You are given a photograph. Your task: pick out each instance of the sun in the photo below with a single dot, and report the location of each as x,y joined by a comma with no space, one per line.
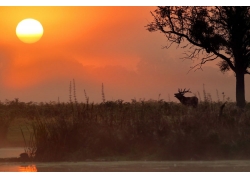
29,30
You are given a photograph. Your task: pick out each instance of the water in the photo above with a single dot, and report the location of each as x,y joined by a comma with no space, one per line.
11,152
130,166
120,166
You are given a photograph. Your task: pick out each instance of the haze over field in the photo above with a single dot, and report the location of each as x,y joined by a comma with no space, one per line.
95,45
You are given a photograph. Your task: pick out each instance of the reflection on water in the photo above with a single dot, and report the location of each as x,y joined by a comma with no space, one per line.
129,166
15,167
119,166
28,168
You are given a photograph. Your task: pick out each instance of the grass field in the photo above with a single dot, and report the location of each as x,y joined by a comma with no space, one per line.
136,130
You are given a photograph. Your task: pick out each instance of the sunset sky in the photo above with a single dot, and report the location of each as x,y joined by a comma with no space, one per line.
95,45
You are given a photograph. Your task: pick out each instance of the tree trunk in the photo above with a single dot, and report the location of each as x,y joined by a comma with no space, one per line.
240,89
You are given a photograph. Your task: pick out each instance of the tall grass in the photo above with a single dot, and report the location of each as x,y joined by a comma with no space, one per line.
8,111
154,130
136,130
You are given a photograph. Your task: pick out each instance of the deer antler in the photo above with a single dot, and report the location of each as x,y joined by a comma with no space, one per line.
184,91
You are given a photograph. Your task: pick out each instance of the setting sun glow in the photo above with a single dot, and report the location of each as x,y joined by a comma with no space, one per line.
42,48
29,30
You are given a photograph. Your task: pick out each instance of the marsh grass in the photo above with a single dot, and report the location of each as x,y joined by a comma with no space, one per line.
139,130
136,130
8,113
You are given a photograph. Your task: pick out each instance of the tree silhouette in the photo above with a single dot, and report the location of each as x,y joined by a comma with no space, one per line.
210,33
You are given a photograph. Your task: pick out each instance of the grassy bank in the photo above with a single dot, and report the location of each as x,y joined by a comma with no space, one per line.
136,130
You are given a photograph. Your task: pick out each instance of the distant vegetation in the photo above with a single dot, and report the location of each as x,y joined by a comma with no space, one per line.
136,130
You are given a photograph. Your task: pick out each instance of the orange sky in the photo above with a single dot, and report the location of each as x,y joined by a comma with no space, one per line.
96,45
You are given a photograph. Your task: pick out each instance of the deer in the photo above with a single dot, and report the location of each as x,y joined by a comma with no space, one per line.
188,101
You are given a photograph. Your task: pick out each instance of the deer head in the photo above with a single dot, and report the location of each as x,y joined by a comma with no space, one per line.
189,101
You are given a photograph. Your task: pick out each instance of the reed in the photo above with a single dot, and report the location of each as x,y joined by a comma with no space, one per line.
136,130
142,129
8,112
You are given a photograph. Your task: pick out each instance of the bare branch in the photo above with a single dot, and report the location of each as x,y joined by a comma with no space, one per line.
203,61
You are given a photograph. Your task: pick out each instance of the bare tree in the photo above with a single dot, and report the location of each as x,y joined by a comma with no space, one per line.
210,33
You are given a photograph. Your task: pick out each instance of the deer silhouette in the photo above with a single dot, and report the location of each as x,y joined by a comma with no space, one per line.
188,101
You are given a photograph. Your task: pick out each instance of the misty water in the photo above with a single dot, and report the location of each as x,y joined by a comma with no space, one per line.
11,152
120,166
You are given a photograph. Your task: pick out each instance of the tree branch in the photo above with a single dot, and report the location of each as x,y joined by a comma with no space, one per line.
200,45
203,61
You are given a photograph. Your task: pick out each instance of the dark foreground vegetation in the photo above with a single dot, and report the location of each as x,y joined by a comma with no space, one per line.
136,130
